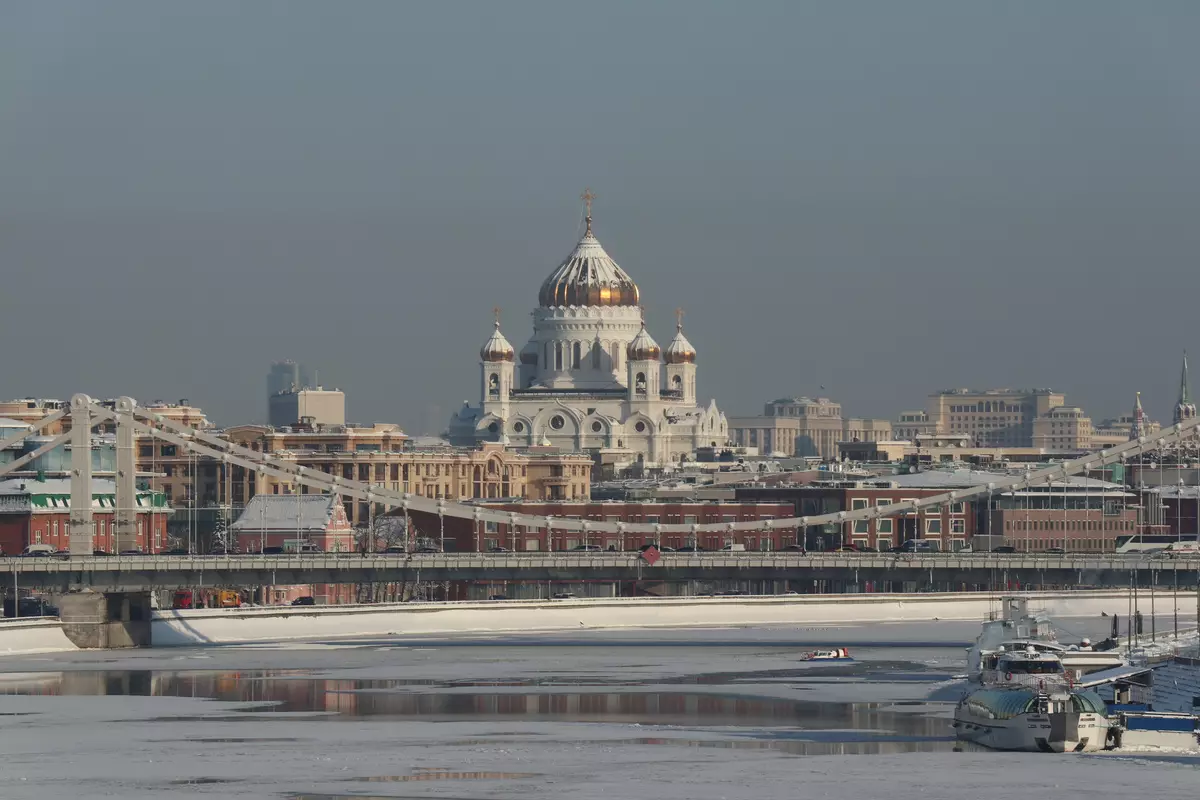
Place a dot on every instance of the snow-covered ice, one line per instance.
(694, 714)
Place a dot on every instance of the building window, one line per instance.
(168, 450)
(557, 422)
(861, 526)
(958, 526)
(880, 502)
(883, 526)
(933, 527)
(858, 503)
(575, 356)
(958, 507)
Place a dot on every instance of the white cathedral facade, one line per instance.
(591, 378)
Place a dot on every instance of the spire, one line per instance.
(1185, 408)
(587, 197)
(1138, 426)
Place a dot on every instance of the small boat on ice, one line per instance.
(836, 654)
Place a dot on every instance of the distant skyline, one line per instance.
(884, 199)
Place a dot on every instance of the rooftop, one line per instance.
(298, 512)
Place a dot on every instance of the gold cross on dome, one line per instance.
(496, 312)
(587, 197)
(679, 318)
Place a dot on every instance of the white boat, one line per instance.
(1027, 703)
(1016, 628)
(1014, 622)
(1077, 660)
(836, 654)
(1029, 719)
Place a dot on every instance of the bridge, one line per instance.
(795, 570)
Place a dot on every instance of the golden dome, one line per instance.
(680, 350)
(497, 348)
(588, 277)
(643, 347)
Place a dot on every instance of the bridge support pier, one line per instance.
(100, 620)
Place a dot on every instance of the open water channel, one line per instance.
(694, 713)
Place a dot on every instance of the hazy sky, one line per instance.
(882, 198)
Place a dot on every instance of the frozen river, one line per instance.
(696, 713)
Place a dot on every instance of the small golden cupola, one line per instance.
(497, 348)
(643, 347)
(679, 350)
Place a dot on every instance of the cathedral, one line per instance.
(591, 377)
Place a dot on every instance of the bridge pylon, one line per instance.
(126, 511)
(81, 525)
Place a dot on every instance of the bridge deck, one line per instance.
(120, 573)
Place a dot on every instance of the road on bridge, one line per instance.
(141, 572)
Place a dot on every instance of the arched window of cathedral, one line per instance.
(558, 359)
(616, 355)
(546, 361)
(677, 383)
(478, 482)
(575, 356)
(493, 385)
(596, 355)
(639, 384)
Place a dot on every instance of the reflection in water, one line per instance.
(822, 727)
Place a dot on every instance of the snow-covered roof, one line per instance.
(53, 486)
(298, 512)
(969, 477)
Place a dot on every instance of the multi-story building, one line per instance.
(32, 410)
(467, 535)
(181, 413)
(992, 417)
(318, 406)
(951, 526)
(1077, 514)
(379, 454)
(911, 424)
(287, 376)
(38, 511)
(1063, 428)
(801, 426)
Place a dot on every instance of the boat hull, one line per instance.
(1061, 732)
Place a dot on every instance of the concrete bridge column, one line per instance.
(81, 525)
(126, 512)
(106, 619)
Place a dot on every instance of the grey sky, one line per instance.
(882, 198)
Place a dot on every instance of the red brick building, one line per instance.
(38, 511)
(464, 535)
(952, 525)
(1078, 514)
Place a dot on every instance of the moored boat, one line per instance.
(1033, 720)
(1028, 703)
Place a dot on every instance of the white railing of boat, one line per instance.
(1024, 680)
